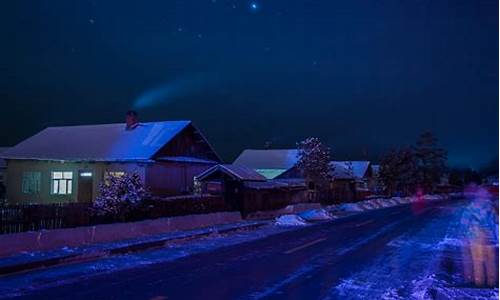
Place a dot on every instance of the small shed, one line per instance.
(246, 190)
(228, 180)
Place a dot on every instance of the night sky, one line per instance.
(363, 75)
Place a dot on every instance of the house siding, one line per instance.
(16, 168)
(173, 178)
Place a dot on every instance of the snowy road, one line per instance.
(407, 252)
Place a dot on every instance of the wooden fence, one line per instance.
(20, 218)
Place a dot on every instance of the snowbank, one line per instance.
(315, 215)
(330, 211)
(290, 220)
(377, 203)
(350, 207)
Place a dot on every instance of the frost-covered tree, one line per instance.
(314, 162)
(431, 161)
(398, 171)
(119, 194)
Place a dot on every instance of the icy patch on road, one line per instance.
(467, 293)
(391, 294)
(422, 288)
(315, 215)
(290, 220)
(445, 243)
(451, 242)
(351, 286)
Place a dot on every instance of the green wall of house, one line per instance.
(16, 169)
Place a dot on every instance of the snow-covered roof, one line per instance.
(187, 159)
(350, 169)
(237, 172)
(106, 142)
(270, 162)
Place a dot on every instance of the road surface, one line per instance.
(406, 252)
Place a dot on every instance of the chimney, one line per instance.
(131, 120)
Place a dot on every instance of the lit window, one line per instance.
(62, 183)
(31, 182)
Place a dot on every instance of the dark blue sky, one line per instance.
(362, 75)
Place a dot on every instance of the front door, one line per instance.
(85, 186)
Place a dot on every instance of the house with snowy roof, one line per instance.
(351, 169)
(359, 172)
(67, 164)
(271, 163)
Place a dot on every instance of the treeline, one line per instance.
(418, 167)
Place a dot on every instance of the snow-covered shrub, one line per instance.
(119, 194)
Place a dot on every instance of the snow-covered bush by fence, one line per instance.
(119, 194)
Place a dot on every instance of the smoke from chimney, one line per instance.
(131, 120)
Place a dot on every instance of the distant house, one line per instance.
(247, 190)
(358, 172)
(271, 163)
(361, 171)
(67, 164)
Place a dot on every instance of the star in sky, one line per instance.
(254, 6)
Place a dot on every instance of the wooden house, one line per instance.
(351, 179)
(67, 164)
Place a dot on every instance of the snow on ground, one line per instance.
(349, 207)
(315, 215)
(377, 203)
(425, 263)
(290, 220)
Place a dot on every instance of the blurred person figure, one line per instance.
(481, 227)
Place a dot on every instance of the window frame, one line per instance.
(26, 188)
(57, 181)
